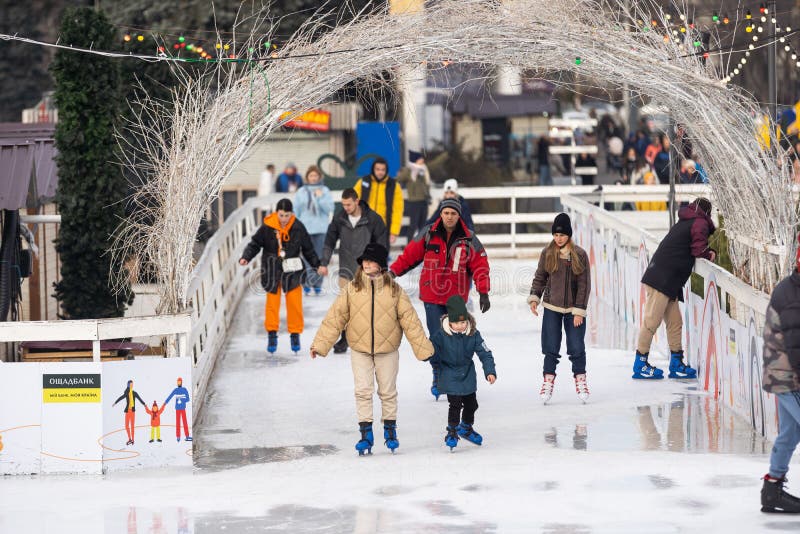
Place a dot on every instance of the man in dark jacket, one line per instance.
(354, 227)
(667, 273)
(782, 379)
(451, 255)
(282, 238)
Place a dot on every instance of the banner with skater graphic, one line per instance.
(90, 417)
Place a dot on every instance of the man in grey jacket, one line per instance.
(354, 227)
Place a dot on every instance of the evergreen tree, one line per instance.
(91, 184)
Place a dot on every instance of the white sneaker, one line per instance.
(546, 392)
(581, 387)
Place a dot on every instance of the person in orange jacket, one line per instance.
(155, 421)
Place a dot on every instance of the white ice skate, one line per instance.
(546, 392)
(581, 387)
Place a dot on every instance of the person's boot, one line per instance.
(390, 435)
(451, 439)
(774, 500)
(466, 431)
(435, 383)
(272, 341)
(581, 387)
(642, 368)
(294, 340)
(546, 393)
(677, 369)
(364, 445)
(340, 347)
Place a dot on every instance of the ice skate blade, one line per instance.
(770, 510)
(365, 453)
(643, 377)
(678, 377)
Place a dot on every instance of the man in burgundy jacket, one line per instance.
(451, 256)
(663, 281)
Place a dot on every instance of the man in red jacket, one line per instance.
(451, 256)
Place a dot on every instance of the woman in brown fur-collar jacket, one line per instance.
(562, 285)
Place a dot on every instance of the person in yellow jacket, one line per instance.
(375, 312)
(383, 194)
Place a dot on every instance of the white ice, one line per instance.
(274, 450)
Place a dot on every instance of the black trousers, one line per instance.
(469, 403)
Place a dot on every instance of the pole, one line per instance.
(771, 74)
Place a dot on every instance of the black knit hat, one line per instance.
(377, 253)
(284, 204)
(703, 204)
(451, 203)
(562, 225)
(457, 309)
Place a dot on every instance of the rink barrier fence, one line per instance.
(723, 327)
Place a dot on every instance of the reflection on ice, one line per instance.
(213, 459)
(692, 423)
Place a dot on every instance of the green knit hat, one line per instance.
(457, 309)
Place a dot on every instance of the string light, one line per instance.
(126, 38)
(140, 38)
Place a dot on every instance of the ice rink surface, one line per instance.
(274, 449)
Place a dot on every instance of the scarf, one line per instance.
(282, 233)
(312, 205)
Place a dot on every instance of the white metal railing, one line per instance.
(97, 330)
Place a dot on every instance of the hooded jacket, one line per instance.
(312, 210)
(270, 238)
(447, 266)
(375, 320)
(673, 260)
(782, 337)
(353, 240)
(385, 198)
(454, 357)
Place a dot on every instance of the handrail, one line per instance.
(97, 330)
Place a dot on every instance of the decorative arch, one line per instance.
(220, 115)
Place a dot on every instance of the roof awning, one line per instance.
(28, 172)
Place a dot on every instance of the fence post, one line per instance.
(513, 218)
(96, 350)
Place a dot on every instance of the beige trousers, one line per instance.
(657, 308)
(366, 369)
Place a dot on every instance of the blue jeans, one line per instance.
(312, 278)
(788, 435)
(551, 341)
(544, 175)
(433, 316)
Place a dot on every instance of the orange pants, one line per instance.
(294, 311)
(130, 424)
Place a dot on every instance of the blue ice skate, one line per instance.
(294, 340)
(272, 342)
(451, 439)
(364, 445)
(678, 369)
(643, 369)
(390, 435)
(435, 384)
(468, 433)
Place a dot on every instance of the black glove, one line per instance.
(391, 273)
(485, 305)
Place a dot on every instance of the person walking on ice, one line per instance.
(782, 379)
(454, 344)
(155, 421)
(375, 312)
(663, 281)
(562, 285)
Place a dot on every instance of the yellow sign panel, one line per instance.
(71, 395)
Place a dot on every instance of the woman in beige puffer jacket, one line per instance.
(375, 312)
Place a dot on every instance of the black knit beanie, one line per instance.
(284, 204)
(457, 309)
(562, 225)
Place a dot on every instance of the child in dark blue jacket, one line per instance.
(454, 346)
